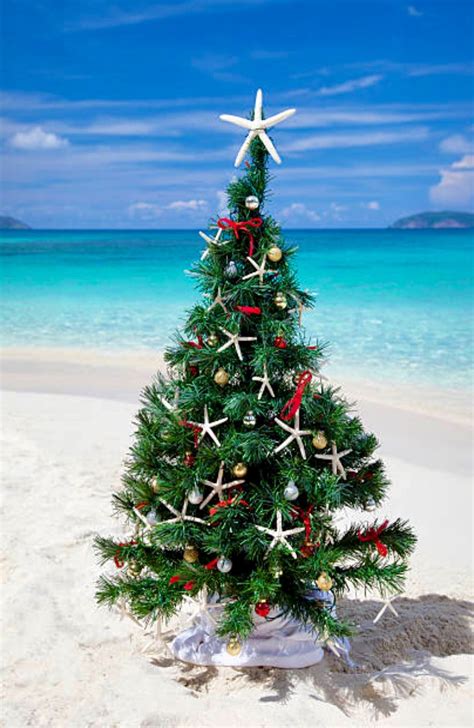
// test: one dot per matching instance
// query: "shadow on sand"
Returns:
(389, 658)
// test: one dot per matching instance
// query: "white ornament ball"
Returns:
(152, 517)
(252, 202)
(291, 492)
(370, 505)
(195, 496)
(224, 564)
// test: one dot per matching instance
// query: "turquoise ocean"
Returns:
(395, 305)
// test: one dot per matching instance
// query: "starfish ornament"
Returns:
(279, 535)
(295, 434)
(170, 406)
(387, 604)
(206, 426)
(218, 301)
(265, 383)
(335, 459)
(180, 516)
(234, 340)
(203, 605)
(218, 486)
(211, 241)
(257, 128)
(259, 269)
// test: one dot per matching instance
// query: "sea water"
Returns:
(393, 304)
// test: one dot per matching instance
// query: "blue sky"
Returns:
(110, 110)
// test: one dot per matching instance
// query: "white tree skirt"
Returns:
(276, 641)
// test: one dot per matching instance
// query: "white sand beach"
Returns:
(66, 421)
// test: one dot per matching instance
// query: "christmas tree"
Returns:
(244, 455)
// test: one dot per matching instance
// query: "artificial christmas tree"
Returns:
(243, 457)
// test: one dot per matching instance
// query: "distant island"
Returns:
(446, 219)
(9, 223)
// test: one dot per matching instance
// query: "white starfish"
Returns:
(295, 434)
(170, 406)
(206, 426)
(211, 241)
(203, 605)
(234, 340)
(218, 301)
(259, 269)
(387, 604)
(257, 127)
(279, 535)
(265, 383)
(218, 486)
(180, 516)
(335, 458)
(142, 518)
(123, 611)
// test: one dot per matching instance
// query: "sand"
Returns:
(66, 425)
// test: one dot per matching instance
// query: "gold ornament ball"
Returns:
(324, 582)
(191, 554)
(154, 485)
(233, 647)
(280, 300)
(134, 568)
(275, 254)
(212, 340)
(239, 470)
(221, 377)
(320, 440)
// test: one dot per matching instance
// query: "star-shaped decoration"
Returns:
(211, 241)
(170, 406)
(218, 301)
(179, 516)
(234, 340)
(387, 604)
(259, 269)
(335, 459)
(279, 535)
(206, 426)
(218, 486)
(122, 610)
(257, 128)
(203, 605)
(295, 434)
(265, 383)
(142, 518)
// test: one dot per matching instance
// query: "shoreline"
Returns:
(121, 374)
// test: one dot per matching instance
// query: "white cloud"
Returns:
(298, 211)
(356, 139)
(414, 12)
(37, 138)
(456, 186)
(192, 205)
(351, 85)
(457, 144)
(144, 210)
(372, 205)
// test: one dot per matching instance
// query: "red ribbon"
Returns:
(373, 534)
(292, 406)
(298, 512)
(212, 564)
(280, 342)
(196, 431)
(188, 586)
(224, 504)
(196, 344)
(118, 561)
(225, 223)
(250, 310)
(141, 505)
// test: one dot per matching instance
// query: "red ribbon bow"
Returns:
(196, 431)
(373, 534)
(188, 586)
(292, 406)
(298, 512)
(225, 223)
(224, 504)
(196, 344)
(250, 310)
(118, 561)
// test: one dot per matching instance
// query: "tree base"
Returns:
(276, 641)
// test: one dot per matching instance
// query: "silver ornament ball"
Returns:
(195, 496)
(252, 202)
(224, 564)
(152, 517)
(249, 420)
(291, 492)
(231, 271)
(370, 504)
